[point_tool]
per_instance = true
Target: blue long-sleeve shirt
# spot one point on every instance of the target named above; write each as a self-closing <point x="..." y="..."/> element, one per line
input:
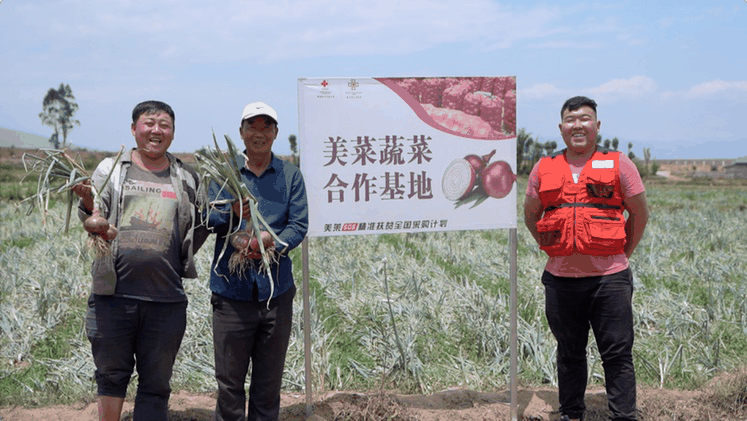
<point x="281" y="198"/>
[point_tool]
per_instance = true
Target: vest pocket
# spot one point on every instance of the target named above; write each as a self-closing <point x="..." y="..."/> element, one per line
<point x="551" y="189"/>
<point x="600" y="186"/>
<point x="601" y="177"/>
<point x="605" y="235"/>
<point x="554" y="233"/>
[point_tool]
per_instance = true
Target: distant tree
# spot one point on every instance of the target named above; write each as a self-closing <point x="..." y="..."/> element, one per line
<point x="615" y="143"/>
<point x="527" y="154"/>
<point x="522" y="138"/>
<point x="646" y="156"/>
<point x="631" y="155"/>
<point x="55" y="141"/>
<point x="294" y="148"/>
<point x="550" y="147"/>
<point x="599" y="138"/>
<point x="607" y="143"/>
<point x="529" y="151"/>
<point x="58" y="109"/>
<point x="536" y="150"/>
<point x="651" y="167"/>
<point x="654" y="167"/>
<point x="642" y="170"/>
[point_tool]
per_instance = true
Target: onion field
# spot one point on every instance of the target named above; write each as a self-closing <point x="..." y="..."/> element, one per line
<point x="412" y="312"/>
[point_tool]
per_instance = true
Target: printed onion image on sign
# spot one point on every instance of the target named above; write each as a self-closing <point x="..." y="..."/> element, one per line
<point x="397" y="155"/>
<point x="473" y="179"/>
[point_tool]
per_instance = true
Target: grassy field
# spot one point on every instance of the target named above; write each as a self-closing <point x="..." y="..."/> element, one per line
<point x="414" y="313"/>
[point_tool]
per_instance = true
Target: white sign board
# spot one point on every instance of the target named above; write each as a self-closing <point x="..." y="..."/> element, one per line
<point x="396" y="155"/>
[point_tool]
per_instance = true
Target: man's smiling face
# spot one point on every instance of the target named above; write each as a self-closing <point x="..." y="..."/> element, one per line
<point x="258" y="134"/>
<point x="579" y="129"/>
<point x="153" y="134"/>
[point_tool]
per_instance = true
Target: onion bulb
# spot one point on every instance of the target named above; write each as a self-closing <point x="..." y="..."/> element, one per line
<point x="111" y="233"/>
<point x="479" y="162"/>
<point x="498" y="179"/>
<point x="96" y="224"/>
<point x="241" y="241"/>
<point x="254" y="244"/>
<point x="100" y="232"/>
<point x="459" y="179"/>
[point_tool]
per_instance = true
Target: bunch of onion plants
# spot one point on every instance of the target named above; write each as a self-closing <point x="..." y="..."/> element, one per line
<point x="221" y="168"/>
<point x="58" y="172"/>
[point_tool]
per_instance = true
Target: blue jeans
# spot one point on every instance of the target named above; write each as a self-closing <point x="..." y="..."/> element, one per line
<point x="604" y="303"/>
<point x="245" y="331"/>
<point x="126" y="333"/>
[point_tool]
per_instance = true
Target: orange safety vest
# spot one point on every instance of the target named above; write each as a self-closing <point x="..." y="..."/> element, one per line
<point x="584" y="217"/>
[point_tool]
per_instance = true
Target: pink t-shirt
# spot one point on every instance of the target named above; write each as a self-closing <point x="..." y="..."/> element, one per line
<point x="581" y="265"/>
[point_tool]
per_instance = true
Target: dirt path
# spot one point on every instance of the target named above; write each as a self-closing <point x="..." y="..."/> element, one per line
<point x="450" y="405"/>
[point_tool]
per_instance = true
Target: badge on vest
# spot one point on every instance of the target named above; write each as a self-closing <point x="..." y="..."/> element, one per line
<point x="607" y="163"/>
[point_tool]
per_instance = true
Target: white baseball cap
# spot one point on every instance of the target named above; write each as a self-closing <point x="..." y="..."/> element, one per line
<point x="258" y="108"/>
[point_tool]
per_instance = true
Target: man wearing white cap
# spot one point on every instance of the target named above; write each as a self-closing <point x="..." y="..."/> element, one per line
<point x="245" y="328"/>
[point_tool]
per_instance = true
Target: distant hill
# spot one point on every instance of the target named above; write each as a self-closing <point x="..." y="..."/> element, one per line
<point x="694" y="149"/>
<point x="22" y="140"/>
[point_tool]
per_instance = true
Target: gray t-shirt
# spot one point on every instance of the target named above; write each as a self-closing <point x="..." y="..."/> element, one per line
<point x="148" y="264"/>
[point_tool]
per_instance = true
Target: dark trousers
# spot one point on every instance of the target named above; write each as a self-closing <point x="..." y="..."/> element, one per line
<point x="127" y="333"/>
<point x="604" y="303"/>
<point x="244" y="332"/>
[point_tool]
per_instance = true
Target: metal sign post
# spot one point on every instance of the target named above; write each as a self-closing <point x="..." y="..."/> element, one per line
<point x="307" y="328"/>
<point x="512" y="246"/>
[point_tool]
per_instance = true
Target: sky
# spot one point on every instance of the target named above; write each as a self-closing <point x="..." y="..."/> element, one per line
<point x="669" y="75"/>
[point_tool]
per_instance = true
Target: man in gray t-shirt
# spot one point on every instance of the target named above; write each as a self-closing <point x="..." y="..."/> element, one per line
<point x="148" y="263"/>
<point x="137" y="311"/>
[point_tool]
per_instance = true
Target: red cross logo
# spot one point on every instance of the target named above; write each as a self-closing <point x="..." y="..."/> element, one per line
<point x="324" y="83"/>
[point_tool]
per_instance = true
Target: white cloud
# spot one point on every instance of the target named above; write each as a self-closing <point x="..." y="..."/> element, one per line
<point x="393" y="27"/>
<point x="205" y="32"/>
<point x="540" y="90"/>
<point x="632" y="87"/>
<point x="717" y="87"/>
<point x="711" y="89"/>
<point x="615" y="88"/>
